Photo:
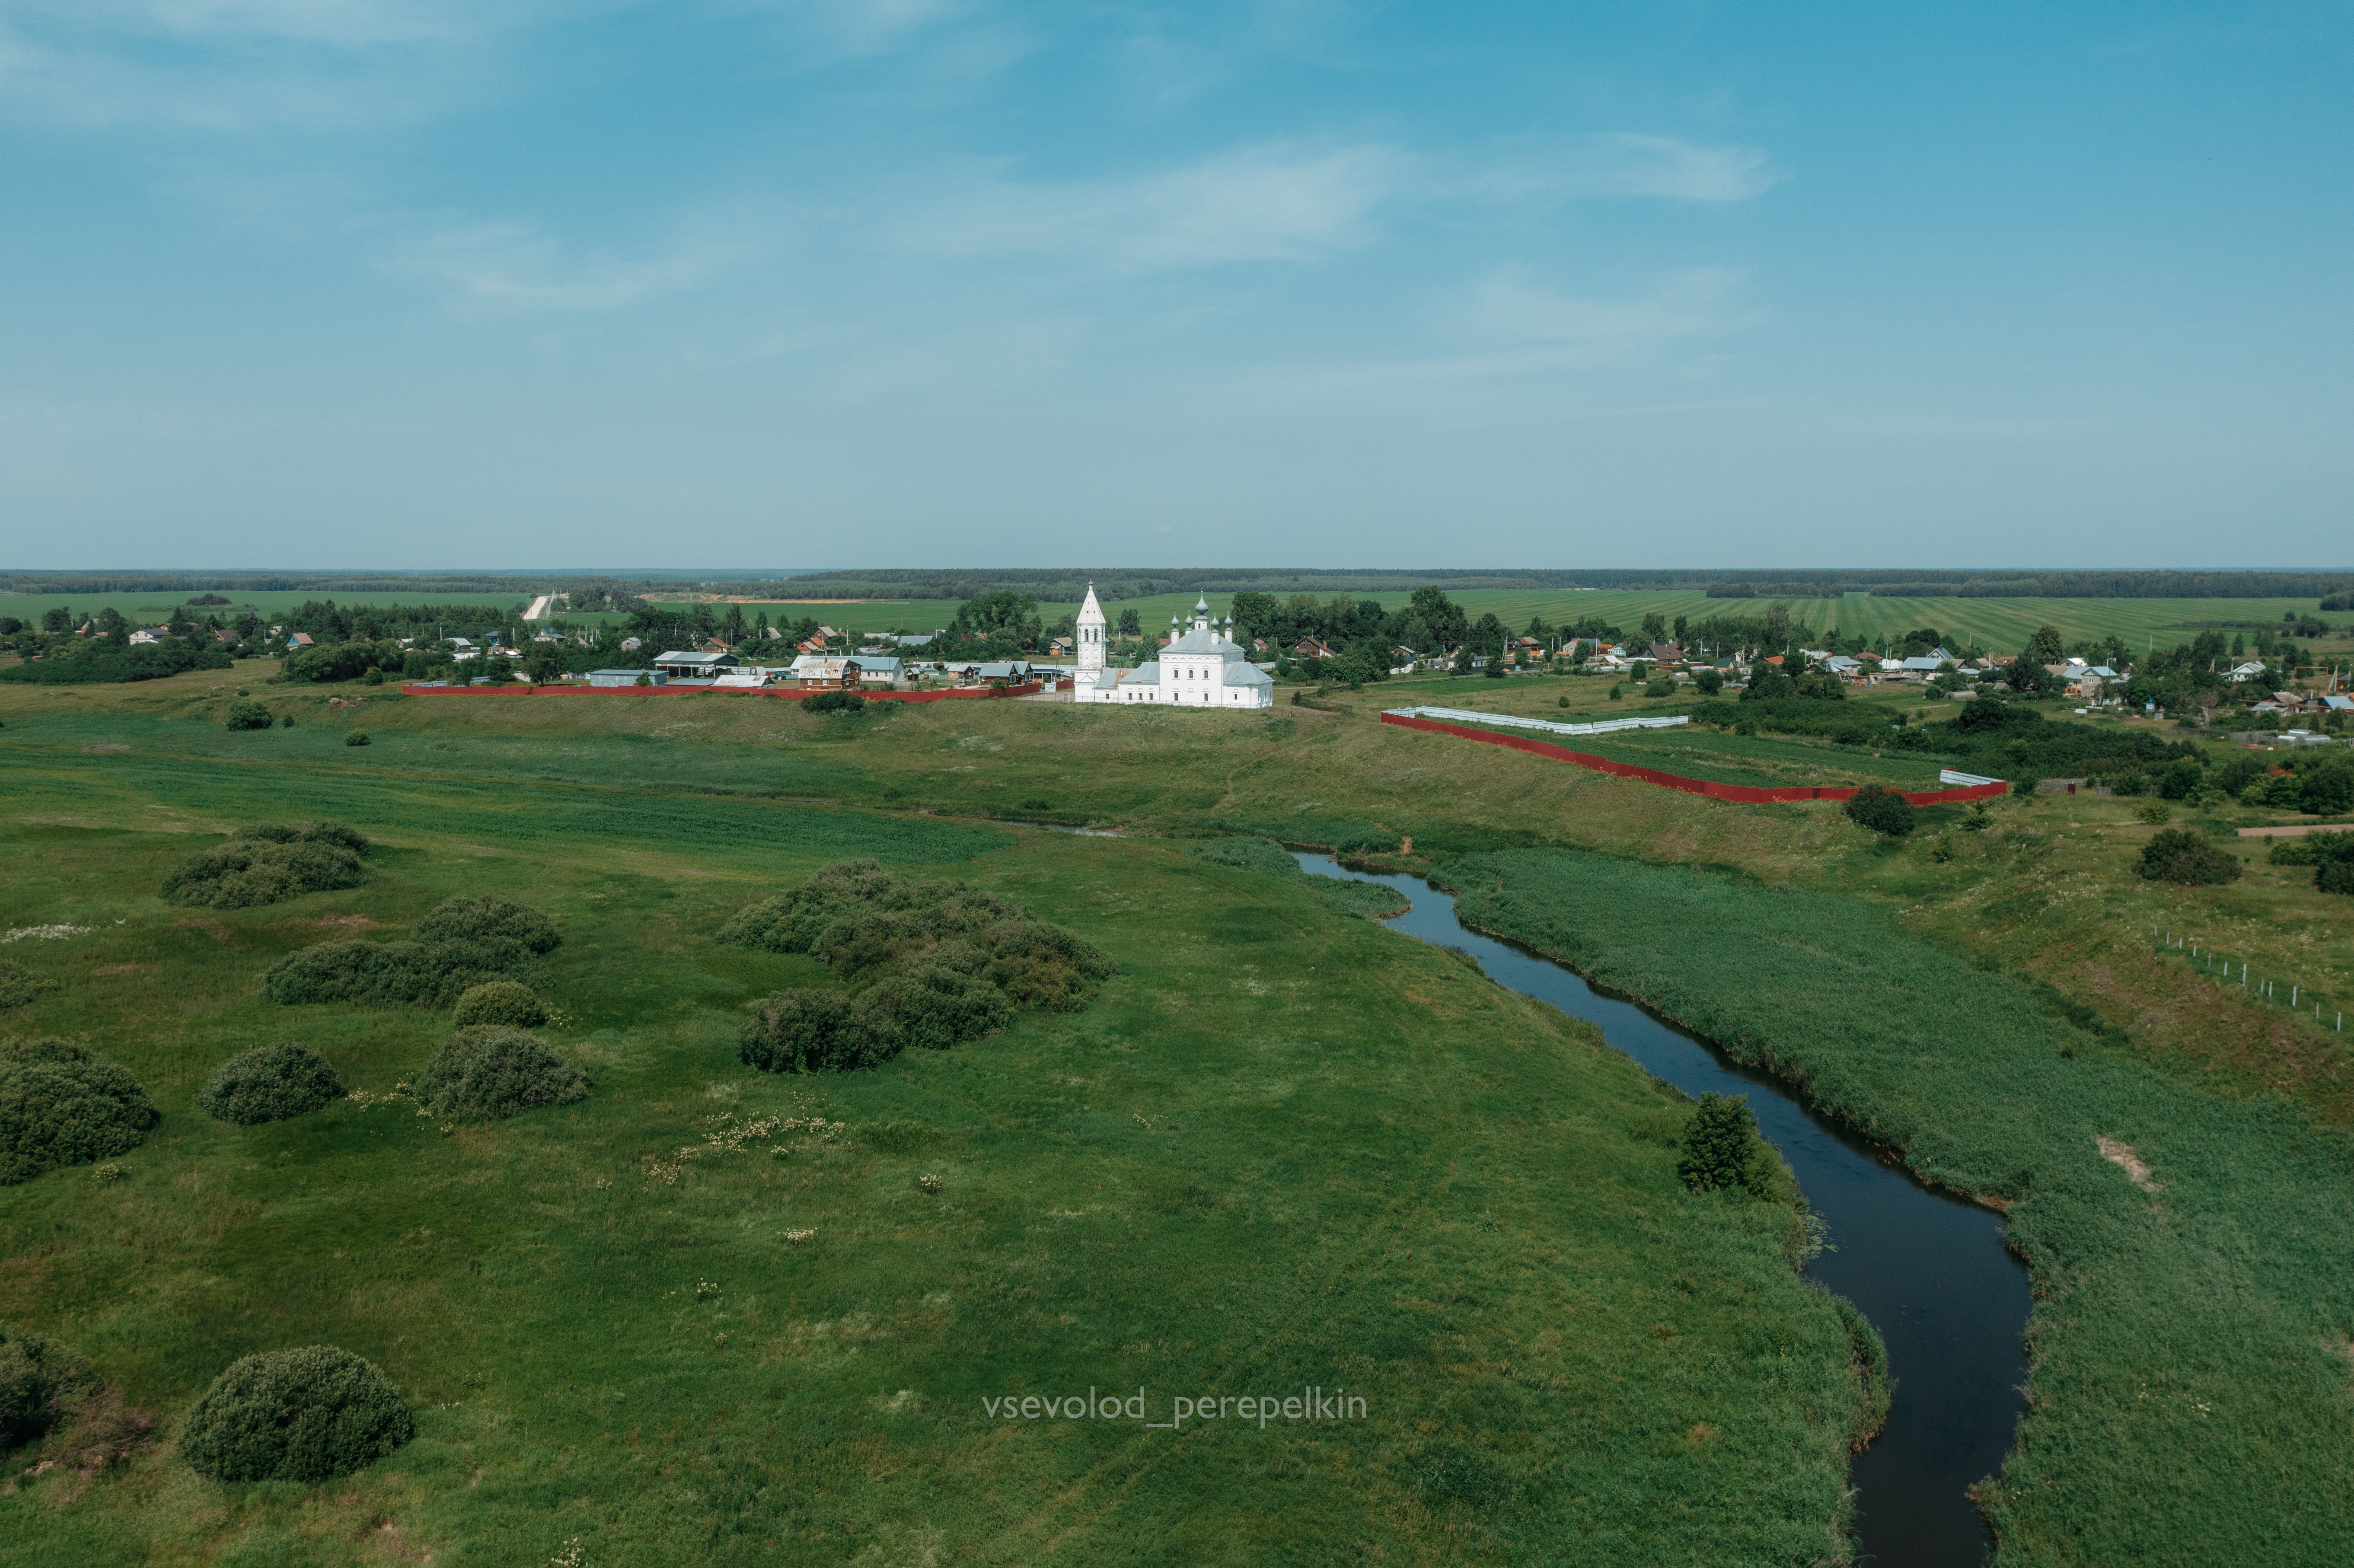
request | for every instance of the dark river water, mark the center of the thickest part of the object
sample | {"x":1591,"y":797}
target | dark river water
{"x":1930,"y":1272}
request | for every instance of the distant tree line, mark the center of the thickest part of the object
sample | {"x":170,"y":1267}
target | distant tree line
{"x":593,"y":593}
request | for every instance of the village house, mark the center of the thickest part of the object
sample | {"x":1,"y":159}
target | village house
{"x":822,"y":672}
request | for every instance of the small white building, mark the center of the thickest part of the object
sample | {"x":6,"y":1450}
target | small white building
{"x":628,"y":677}
{"x":1203,"y":667}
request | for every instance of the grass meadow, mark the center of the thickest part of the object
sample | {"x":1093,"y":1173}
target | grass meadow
{"x":1989,"y":1002}
{"x":1284,"y":1147}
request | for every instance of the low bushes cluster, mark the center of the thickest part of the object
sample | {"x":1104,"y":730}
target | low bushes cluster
{"x":2323,"y":786}
{"x":270,"y":1083}
{"x":926,"y":964}
{"x":463,"y":943}
{"x":505,"y":1002}
{"x":2177,"y":854}
{"x":2331,"y":855}
{"x":488,"y":1074}
{"x":269,"y":861}
{"x":246,"y":714}
{"x":17,"y":988}
{"x":41,"y":1380}
{"x":306,"y":1414}
{"x":833,"y":703}
{"x":1880,"y":808}
{"x":76,"y":662}
{"x":62,"y":1104}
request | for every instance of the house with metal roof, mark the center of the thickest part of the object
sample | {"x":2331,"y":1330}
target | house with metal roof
{"x":696,"y":664}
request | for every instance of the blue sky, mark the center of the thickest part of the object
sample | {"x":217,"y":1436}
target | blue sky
{"x":833,"y":282}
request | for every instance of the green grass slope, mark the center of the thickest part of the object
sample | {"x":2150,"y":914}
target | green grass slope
{"x":1284,"y":1147}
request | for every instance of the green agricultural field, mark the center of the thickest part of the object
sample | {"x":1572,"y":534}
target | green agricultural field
{"x":2190,"y":1340}
{"x":149,"y":606}
{"x":2001,"y":625}
{"x":711,"y":1316}
{"x":857,"y":615}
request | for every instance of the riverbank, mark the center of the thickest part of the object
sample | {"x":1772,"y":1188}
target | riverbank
{"x":2193,"y":1258}
{"x":1940,"y":1307}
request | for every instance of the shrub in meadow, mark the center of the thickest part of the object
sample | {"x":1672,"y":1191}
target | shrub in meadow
{"x":357,"y":736}
{"x":1720,"y":1147}
{"x":804,"y":1031}
{"x":62,"y":1104}
{"x":17,"y":988}
{"x":41,"y":1382}
{"x":1883,"y":809}
{"x":307,"y":1414}
{"x":2335,"y":876}
{"x":928,"y":964}
{"x":266,"y":862}
{"x":487,"y":1074}
{"x":270,"y":1083}
{"x":833,"y":703}
{"x":247,"y":714}
{"x":501,"y":1002}
{"x":490,"y":921}
{"x":2180,"y":855}
{"x":462,"y":943}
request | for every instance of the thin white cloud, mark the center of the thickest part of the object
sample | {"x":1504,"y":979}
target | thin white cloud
{"x":1507,"y":326}
{"x":860,"y":27}
{"x":513,"y":267}
{"x":1278,"y":203}
{"x":1690,"y":303}
{"x":257,"y":65}
{"x":1623,"y":164}
{"x":341,"y":24}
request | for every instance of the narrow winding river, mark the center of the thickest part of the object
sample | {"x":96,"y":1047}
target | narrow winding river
{"x":1930,"y":1272}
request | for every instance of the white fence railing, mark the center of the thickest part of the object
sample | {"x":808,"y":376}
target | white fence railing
{"x":1599,"y":727}
{"x":1962,"y":780}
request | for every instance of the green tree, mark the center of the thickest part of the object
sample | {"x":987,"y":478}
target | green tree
{"x":2180,"y":855}
{"x":1720,"y":1147}
{"x":1883,"y":809}
{"x":1777,"y":626}
{"x":2328,"y":788}
{"x":2045,"y":647}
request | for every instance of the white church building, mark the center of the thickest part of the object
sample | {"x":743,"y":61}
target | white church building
{"x":1203,"y":667}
